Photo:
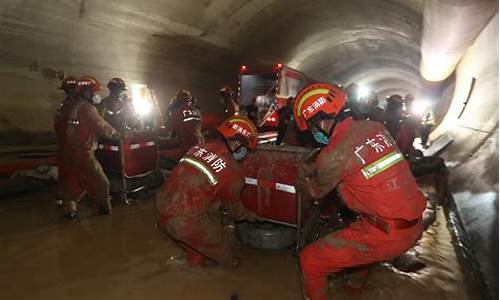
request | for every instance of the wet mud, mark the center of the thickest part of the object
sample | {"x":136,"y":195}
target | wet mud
{"x":123,"y":256}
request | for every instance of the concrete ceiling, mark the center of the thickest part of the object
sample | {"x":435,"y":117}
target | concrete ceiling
{"x":342,"y":41}
{"x":198,"y":44}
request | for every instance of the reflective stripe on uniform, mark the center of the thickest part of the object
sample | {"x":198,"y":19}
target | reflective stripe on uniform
{"x":110,"y":112}
{"x":202,"y":168}
{"x":190,"y":119}
{"x":382,"y":164}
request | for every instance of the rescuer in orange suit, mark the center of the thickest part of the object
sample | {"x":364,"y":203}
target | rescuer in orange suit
{"x":227,"y":98}
{"x":68,"y":85}
{"x":432,"y":166}
{"x":117,"y":108}
{"x":207,"y":177}
{"x":362,"y":162}
{"x":183,"y":122}
{"x":401,"y":128}
{"x":84,"y":173}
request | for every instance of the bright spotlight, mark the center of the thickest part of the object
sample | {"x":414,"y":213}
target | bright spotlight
{"x":363,"y":91}
{"x":140,"y":99}
{"x":420,"y":107}
{"x":142,"y":107}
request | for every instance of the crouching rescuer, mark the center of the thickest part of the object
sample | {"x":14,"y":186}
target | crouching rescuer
{"x":362,"y":162}
{"x":207,"y":177}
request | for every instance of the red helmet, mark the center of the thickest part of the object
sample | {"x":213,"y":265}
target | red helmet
{"x":117,"y":84}
{"x":240,"y":126}
{"x":69,"y":83}
{"x":316,"y":98}
{"x":88,"y":81}
{"x":183,"y":96}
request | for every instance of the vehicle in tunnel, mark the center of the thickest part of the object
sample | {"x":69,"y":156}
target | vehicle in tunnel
{"x":262,"y":91}
{"x":268,"y":88}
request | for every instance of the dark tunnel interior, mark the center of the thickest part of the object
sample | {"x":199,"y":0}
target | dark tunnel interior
{"x":444,"y":53}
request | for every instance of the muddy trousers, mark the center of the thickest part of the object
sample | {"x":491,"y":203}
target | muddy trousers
{"x":202,"y":238}
{"x":358,"y":245}
{"x":85,"y":175}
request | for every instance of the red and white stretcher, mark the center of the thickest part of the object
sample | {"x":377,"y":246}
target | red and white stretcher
{"x":270,"y":179}
{"x":135,"y":156}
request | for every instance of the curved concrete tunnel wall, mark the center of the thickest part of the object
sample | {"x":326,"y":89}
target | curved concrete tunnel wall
{"x":198,"y":45}
{"x":171,"y":45}
{"x":41,"y":39}
{"x":473,"y":125}
{"x":450,"y":27}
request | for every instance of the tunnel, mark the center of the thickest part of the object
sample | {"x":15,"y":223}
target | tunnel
{"x":444,"y":53}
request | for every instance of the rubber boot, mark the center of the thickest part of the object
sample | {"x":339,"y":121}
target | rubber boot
{"x":356,"y":280}
{"x":408,"y":262}
{"x":105,"y":207}
{"x":71,"y":210}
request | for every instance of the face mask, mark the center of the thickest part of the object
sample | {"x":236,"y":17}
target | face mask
{"x":122,"y":96}
{"x":240,"y":153}
{"x":96,"y":99}
{"x":321,"y":138}
{"x":351,"y":98}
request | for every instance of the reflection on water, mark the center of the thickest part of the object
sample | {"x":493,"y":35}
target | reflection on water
{"x":124,"y":257}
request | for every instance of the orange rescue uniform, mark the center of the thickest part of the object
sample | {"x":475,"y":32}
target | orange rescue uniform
{"x":206,"y":178}
{"x":372,"y":177}
{"x":83,"y":171}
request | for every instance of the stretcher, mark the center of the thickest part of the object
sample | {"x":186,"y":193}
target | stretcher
{"x":130,"y":163}
{"x":270,"y":191}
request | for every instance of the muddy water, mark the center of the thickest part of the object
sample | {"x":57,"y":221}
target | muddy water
{"x":43,"y":256}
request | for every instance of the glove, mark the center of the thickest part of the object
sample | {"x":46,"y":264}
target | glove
{"x":311,"y":157}
{"x":305,"y":186}
{"x":306,"y":170}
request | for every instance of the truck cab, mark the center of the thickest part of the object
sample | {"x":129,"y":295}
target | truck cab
{"x":266,"y":89}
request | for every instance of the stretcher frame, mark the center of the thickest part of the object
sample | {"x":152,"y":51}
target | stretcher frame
{"x":120,"y":148}
{"x":284,"y":188}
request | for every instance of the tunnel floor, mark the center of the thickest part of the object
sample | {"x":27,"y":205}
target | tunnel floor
{"x":44,"y":256}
